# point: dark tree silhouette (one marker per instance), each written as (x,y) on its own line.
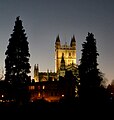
(90,77)
(17,56)
(70,85)
(17,64)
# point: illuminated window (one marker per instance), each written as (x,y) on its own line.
(43,87)
(70,54)
(62,95)
(31,87)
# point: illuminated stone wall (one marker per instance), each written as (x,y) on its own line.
(68,51)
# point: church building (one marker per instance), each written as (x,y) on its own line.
(48,85)
(65,59)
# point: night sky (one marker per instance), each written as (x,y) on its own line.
(43,20)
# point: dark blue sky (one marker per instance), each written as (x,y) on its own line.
(43,20)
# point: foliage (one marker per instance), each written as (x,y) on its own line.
(17,56)
(70,84)
(90,77)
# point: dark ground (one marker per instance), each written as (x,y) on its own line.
(64,110)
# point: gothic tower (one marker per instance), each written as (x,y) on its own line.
(36,73)
(68,51)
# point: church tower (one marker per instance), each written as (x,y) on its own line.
(68,51)
(36,73)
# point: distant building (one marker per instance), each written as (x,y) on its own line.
(43,76)
(65,59)
(48,84)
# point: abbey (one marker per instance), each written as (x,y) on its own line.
(65,59)
(63,82)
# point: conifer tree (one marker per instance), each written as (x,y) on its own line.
(17,56)
(90,76)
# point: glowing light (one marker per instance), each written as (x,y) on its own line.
(2,96)
(43,87)
(62,95)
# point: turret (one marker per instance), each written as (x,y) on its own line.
(36,73)
(73,42)
(57,43)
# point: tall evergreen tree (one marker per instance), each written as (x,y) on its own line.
(90,76)
(17,56)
